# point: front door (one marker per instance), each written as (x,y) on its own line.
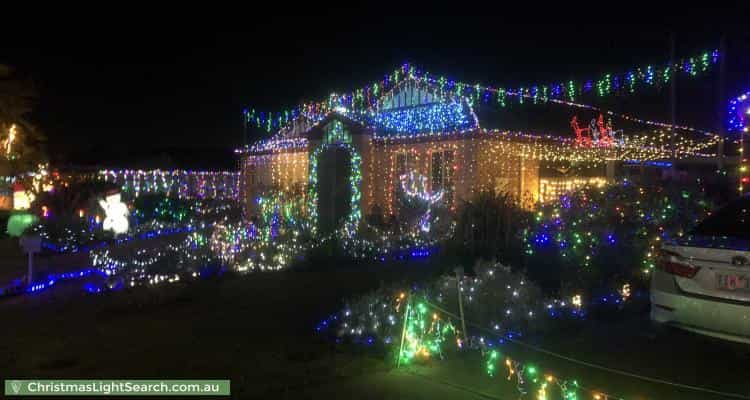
(334,191)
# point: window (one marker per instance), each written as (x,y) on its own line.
(442,173)
(437,171)
(250,174)
(405,163)
(336,133)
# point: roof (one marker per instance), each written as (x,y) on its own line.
(429,118)
(408,110)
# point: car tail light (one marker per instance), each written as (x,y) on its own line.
(675,264)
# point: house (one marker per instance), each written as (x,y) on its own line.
(347,164)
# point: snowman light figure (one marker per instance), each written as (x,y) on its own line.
(116,211)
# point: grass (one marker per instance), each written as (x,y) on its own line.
(258,331)
(13,261)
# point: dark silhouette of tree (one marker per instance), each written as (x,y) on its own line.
(487,226)
(18,96)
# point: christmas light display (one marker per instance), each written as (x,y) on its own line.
(85,241)
(9,140)
(162,209)
(49,282)
(608,84)
(18,223)
(551,189)
(178,183)
(598,133)
(496,298)
(152,216)
(384,246)
(116,219)
(631,118)
(336,133)
(420,325)
(42,180)
(579,226)
(739,113)
(530,380)
(185,258)
(275,145)
(22,199)
(590,225)
(425,333)
(272,239)
(281,209)
(423,119)
(415,186)
(227,241)
(242,247)
(463,163)
(355,180)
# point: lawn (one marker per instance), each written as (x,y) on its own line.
(13,262)
(258,331)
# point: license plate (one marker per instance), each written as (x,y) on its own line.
(732,282)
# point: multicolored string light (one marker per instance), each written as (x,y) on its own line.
(369,96)
(582,228)
(739,113)
(423,119)
(418,324)
(355,180)
(185,184)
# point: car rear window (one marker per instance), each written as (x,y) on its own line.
(732,220)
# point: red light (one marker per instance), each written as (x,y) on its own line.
(675,264)
(745,179)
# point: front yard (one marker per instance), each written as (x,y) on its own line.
(258,331)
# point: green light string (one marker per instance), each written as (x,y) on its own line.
(424,336)
(529,380)
(355,179)
(608,84)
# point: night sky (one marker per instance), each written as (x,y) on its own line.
(117,91)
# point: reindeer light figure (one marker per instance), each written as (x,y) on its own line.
(581,139)
(606,133)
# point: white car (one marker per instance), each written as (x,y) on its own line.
(702,281)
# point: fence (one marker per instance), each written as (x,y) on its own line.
(183,184)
